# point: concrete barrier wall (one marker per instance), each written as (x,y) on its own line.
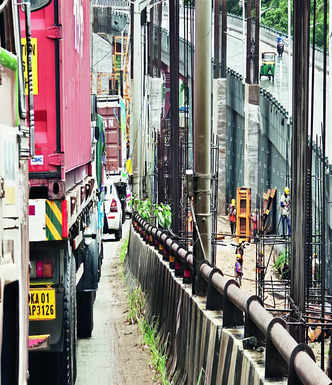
(197,344)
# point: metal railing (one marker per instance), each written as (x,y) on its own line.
(283,355)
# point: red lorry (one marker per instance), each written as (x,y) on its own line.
(109,107)
(65,210)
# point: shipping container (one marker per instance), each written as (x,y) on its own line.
(109,107)
(61,72)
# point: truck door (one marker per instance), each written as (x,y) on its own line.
(46,35)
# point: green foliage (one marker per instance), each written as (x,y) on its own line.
(123,251)
(149,211)
(164,214)
(158,353)
(136,305)
(145,209)
(274,14)
(282,263)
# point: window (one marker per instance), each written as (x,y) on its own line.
(7,38)
(37,4)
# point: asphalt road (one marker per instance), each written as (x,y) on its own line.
(114,355)
(97,360)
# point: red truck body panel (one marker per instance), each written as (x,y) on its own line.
(75,82)
(111,116)
(62,105)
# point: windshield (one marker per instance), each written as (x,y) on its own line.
(37,4)
(268,57)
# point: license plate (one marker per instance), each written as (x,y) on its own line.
(41,304)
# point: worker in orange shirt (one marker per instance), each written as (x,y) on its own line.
(232,216)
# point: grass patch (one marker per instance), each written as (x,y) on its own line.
(136,314)
(136,304)
(158,355)
(123,251)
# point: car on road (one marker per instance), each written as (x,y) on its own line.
(112,211)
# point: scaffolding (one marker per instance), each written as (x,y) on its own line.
(273,264)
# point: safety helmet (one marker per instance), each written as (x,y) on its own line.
(286,190)
(238,257)
(233,202)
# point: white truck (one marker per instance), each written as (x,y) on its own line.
(14,242)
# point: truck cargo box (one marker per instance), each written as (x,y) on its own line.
(61,73)
(110,111)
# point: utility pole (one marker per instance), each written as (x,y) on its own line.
(175,180)
(300,243)
(136,100)
(219,95)
(252,96)
(202,136)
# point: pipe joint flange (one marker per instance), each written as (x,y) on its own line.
(276,320)
(185,258)
(251,299)
(163,232)
(292,375)
(228,284)
(213,271)
(171,246)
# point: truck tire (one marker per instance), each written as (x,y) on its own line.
(67,366)
(118,234)
(85,300)
(105,226)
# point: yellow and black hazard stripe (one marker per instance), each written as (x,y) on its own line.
(53,220)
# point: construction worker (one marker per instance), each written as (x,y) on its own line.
(238,273)
(254,223)
(285,203)
(232,216)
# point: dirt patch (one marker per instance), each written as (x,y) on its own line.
(225,260)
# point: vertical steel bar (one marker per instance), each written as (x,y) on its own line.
(247,69)
(27,11)
(299,151)
(323,234)
(217,39)
(132,40)
(159,39)
(223,38)
(252,66)
(175,179)
(257,31)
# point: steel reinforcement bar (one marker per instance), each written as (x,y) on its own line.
(284,356)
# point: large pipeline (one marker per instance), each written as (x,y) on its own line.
(295,355)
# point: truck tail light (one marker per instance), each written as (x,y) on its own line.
(41,269)
(64,210)
(32,210)
(114,206)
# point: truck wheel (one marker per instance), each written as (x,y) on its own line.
(118,234)
(67,369)
(85,300)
